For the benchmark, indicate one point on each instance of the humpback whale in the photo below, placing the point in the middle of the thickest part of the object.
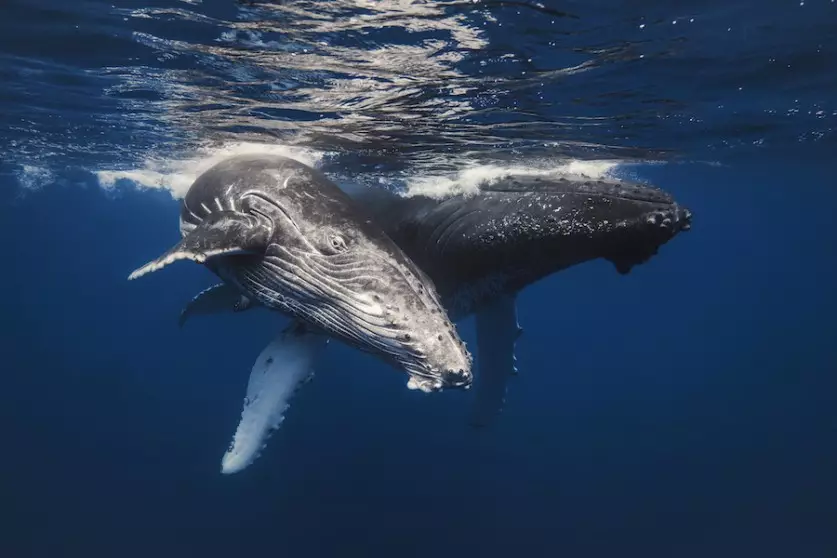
(521, 229)
(481, 250)
(283, 236)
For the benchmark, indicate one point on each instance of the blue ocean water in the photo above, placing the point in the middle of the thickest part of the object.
(686, 409)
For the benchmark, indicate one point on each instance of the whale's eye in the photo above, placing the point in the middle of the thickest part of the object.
(337, 243)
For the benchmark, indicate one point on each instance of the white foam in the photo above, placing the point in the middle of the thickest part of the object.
(176, 175)
(32, 177)
(471, 179)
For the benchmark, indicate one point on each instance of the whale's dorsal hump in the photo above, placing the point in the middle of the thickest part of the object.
(222, 233)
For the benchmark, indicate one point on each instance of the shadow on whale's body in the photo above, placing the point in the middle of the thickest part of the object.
(479, 251)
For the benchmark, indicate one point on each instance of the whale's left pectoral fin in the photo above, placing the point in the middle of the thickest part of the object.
(282, 367)
(497, 332)
(220, 234)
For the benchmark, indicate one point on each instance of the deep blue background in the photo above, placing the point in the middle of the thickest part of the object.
(687, 409)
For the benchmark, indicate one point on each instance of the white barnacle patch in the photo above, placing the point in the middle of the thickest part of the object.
(412, 383)
(423, 384)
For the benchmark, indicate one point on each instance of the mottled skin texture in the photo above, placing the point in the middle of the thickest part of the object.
(287, 237)
(523, 229)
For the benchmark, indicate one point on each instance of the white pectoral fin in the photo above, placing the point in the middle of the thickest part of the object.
(497, 332)
(281, 368)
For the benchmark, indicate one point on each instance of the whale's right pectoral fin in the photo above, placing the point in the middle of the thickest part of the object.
(221, 233)
(282, 367)
(217, 299)
(497, 332)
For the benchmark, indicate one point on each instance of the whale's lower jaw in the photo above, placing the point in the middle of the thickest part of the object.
(373, 324)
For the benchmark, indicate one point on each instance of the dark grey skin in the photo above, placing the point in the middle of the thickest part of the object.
(481, 250)
(283, 235)
(522, 229)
